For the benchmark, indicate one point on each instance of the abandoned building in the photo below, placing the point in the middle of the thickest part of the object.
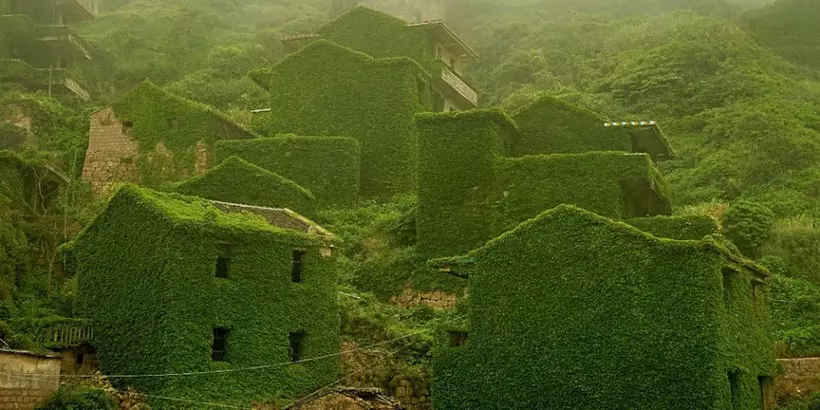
(38, 48)
(153, 137)
(179, 284)
(574, 310)
(482, 172)
(365, 76)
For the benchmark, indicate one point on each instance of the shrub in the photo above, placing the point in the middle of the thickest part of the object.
(749, 225)
(79, 398)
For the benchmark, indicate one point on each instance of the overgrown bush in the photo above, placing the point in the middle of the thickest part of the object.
(79, 398)
(749, 225)
(796, 241)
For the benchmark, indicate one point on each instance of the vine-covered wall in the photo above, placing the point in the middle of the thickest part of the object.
(238, 181)
(327, 166)
(146, 279)
(328, 90)
(471, 190)
(572, 310)
(551, 126)
(380, 35)
(168, 131)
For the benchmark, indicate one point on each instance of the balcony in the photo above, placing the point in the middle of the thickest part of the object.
(80, 10)
(455, 88)
(63, 39)
(57, 80)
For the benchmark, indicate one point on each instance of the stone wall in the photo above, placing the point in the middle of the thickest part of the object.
(38, 379)
(437, 299)
(800, 378)
(112, 153)
(413, 394)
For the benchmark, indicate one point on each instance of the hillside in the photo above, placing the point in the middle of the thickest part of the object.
(734, 85)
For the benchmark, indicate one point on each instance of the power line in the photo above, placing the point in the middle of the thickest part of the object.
(241, 369)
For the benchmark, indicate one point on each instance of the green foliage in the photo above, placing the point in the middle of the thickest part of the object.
(79, 398)
(749, 225)
(328, 166)
(563, 276)
(146, 280)
(796, 242)
(795, 308)
(380, 35)
(677, 227)
(238, 181)
(179, 124)
(551, 126)
(328, 90)
(787, 27)
(470, 191)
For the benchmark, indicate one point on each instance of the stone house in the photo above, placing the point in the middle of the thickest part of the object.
(153, 137)
(573, 310)
(175, 284)
(27, 379)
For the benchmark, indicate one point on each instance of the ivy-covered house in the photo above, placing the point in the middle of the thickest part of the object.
(38, 48)
(154, 137)
(365, 76)
(175, 284)
(482, 172)
(572, 310)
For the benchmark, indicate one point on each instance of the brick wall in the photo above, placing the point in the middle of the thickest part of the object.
(27, 390)
(800, 378)
(112, 153)
(437, 299)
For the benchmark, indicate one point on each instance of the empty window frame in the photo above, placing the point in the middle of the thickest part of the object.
(458, 339)
(297, 268)
(219, 347)
(297, 345)
(223, 261)
(729, 274)
(765, 386)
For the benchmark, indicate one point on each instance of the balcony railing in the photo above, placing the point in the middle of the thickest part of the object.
(60, 33)
(453, 80)
(91, 7)
(67, 335)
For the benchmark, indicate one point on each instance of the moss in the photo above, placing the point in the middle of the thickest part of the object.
(146, 280)
(328, 166)
(328, 90)
(238, 181)
(573, 310)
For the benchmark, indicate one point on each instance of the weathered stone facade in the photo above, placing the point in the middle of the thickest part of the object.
(112, 153)
(38, 378)
(437, 299)
(800, 379)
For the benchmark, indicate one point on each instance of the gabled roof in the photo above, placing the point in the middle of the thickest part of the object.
(648, 137)
(148, 90)
(331, 51)
(459, 265)
(280, 217)
(178, 210)
(249, 183)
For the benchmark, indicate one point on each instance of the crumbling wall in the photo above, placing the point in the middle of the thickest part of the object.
(111, 154)
(800, 378)
(38, 379)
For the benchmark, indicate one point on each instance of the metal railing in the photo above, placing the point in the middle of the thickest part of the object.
(455, 81)
(63, 33)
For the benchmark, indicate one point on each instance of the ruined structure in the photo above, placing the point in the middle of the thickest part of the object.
(153, 137)
(176, 284)
(38, 48)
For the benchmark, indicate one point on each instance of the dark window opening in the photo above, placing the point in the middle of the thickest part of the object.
(297, 266)
(728, 274)
(218, 350)
(223, 261)
(458, 339)
(297, 341)
(734, 387)
(127, 125)
(79, 358)
(765, 384)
